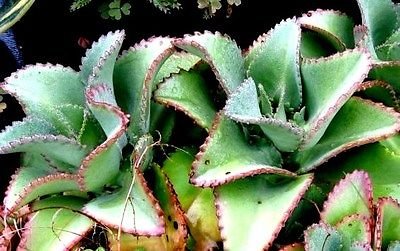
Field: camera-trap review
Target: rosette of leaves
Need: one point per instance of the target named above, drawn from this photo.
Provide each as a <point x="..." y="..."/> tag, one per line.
<point x="352" y="220"/>
<point x="74" y="176"/>
<point x="290" y="107"/>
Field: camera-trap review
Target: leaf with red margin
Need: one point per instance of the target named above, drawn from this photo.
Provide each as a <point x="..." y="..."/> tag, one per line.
<point x="187" y="92"/>
<point x="360" y="247"/>
<point x="220" y="52"/>
<point x="134" y="75"/>
<point x="252" y="211"/>
<point x="176" y="229"/>
<point x="377" y="160"/>
<point x="242" y="106"/>
<point x="354" y="229"/>
<point x="227" y="156"/>
<point x="98" y="64"/>
<point x="102" y="164"/>
<point x="328" y="83"/>
<point x="388" y="72"/>
<point x="274" y="61"/>
<point x="350" y="128"/>
<point x="387" y="226"/>
<point x="55" y="224"/>
<point x="352" y="195"/>
<point x="196" y="202"/>
<point x="380" y="91"/>
<point x="30" y="183"/>
<point x="322" y="237"/>
<point x="132" y="208"/>
<point x="335" y="26"/>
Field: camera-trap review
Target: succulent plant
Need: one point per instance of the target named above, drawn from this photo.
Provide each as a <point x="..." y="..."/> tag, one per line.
<point x="273" y="113"/>
<point x="352" y="220"/>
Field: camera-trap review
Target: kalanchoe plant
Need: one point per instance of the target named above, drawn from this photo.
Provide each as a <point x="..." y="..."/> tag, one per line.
<point x="352" y="220"/>
<point x="303" y="93"/>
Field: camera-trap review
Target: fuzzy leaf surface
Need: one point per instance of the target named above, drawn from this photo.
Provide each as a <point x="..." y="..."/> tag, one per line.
<point x="132" y="208"/>
<point x="134" y="75"/>
<point x="352" y="195"/>
<point x="260" y="205"/>
<point x="221" y="53"/>
<point x="350" y="128"/>
<point x="273" y="61"/>
<point x="328" y="83"/>
<point x="335" y="26"/>
<point x="55" y="225"/>
<point x="238" y="159"/>
<point x="387" y="223"/>
<point x="388" y="72"/>
<point x="322" y="237"/>
<point x="354" y="229"/>
<point x="187" y="92"/>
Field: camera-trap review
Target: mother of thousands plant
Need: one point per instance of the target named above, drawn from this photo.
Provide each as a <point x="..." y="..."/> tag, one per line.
<point x="306" y="91"/>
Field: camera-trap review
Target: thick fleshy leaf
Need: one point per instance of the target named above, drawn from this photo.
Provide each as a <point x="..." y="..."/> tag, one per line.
<point x="360" y="247"/>
<point x="178" y="61"/>
<point x="394" y="246"/>
<point x="142" y="153"/>
<point x="352" y="195"/>
<point x="55" y="225"/>
<point x="387" y="223"/>
<point x="273" y="61"/>
<point x="226" y="156"/>
<point x="382" y="92"/>
<point x="322" y="237"/>
<point x="380" y="17"/>
<point x="187" y="92"/>
<point x="98" y="64"/>
<point x="176" y="232"/>
<point x="132" y="208"/>
<point x="388" y="72"/>
<point x="30" y="183"/>
<point x="10" y="14"/>
<point x="260" y="205"/>
<point x="358" y="122"/>
<point x="335" y="26"/>
<point x="390" y="49"/>
<point x="354" y="229"/>
<point x="91" y="134"/>
<point x="177" y="167"/>
<point x="102" y="164"/>
<point x="134" y="75"/>
<point x="43" y="86"/>
<point x="220" y="52"/>
<point x="313" y="45"/>
<point x="242" y="105"/>
<point x="328" y="84"/>
<point x="197" y="203"/>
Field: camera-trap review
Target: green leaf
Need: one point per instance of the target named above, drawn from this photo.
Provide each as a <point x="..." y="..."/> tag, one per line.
<point x="382" y="92"/>
<point x="220" y="52"/>
<point x="32" y="182"/>
<point x="394" y="246"/>
<point x="380" y="17"/>
<point x="390" y="49"/>
<point x="13" y="12"/>
<point x="388" y="72"/>
<point x="134" y="77"/>
<point x="322" y="237"/>
<point x="360" y="247"/>
<point x="176" y="232"/>
<point x="179" y="60"/>
<point x="335" y="26"/>
<point x="132" y="208"/>
<point x="226" y="156"/>
<point x="98" y="64"/>
<point x="352" y="195"/>
<point x="387" y="223"/>
<point x="358" y="122"/>
<point x="313" y="45"/>
<point x="177" y="167"/>
<point x="354" y="229"/>
<point x="187" y="92"/>
<point x="252" y="211"/>
<point x="273" y="61"/>
<point x="328" y="84"/>
<point x="375" y="159"/>
<point x="55" y="225"/>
